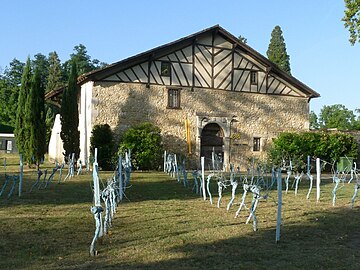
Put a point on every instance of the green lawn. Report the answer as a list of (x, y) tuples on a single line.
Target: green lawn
[(161, 225)]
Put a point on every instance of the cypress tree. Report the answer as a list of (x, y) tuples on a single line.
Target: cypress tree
[(54, 77), (54, 81), (277, 50), (21, 128), (36, 115), (69, 116)]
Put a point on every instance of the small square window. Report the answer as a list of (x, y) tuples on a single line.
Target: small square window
[(256, 144), (165, 69), (174, 98), (253, 77)]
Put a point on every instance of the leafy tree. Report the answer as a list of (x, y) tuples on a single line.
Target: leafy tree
[(102, 139), (36, 119), (82, 60), (337, 116), (69, 116), (357, 122), (277, 50), (313, 120), (21, 128), (351, 20), (9, 91), (4, 99), (324, 145), (145, 143)]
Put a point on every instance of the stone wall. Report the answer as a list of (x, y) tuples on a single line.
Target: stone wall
[(122, 105)]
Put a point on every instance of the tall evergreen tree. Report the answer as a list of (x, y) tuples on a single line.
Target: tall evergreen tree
[(4, 99), (69, 116), (36, 116), (9, 91), (54, 79), (21, 128), (277, 50), (42, 63)]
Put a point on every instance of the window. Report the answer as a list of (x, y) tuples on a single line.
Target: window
[(253, 77), (256, 144), (2, 144), (165, 69), (174, 98)]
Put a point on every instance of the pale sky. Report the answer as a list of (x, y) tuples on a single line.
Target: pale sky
[(316, 40)]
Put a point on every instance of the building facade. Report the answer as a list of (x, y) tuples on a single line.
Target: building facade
[(233, 100)]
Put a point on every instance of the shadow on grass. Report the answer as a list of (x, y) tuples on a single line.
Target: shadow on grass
[(328, 240), (55, 228), (72, 191)]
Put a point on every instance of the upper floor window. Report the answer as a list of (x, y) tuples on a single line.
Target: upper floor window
[(253, 77), (256, 144), (174, 98), (165, 69)]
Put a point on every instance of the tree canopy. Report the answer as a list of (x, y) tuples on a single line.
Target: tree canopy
[(351, 20), (69, 116), (335, 116), (277, 50), (10, 83), (54, 74), (83, 61), (36, 119), (21, 128), (30, 116)]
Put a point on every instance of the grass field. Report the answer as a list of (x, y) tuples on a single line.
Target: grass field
[(161, 225)]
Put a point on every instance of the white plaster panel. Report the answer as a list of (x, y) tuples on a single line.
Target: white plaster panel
[(112, 78), (180, 74), (206, 40), (140, 73), (188, 52), (131, 75), (188, 72), (224, 56), (221, 42), (123, 77)]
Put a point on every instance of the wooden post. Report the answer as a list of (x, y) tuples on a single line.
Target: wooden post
[(21, 174), (97, 201), (318, 175), (121, 182), (279, 189), (308, 164), (203, 176)]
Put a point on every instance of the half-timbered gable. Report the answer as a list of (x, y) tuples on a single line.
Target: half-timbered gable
[(234, 99), (211, 59)]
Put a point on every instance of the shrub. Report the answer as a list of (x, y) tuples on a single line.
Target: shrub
[(327, 146), (102, 139), (145, 143)]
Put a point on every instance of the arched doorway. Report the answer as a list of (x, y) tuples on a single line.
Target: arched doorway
[(212, 140)]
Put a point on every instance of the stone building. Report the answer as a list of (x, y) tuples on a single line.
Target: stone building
[(235, 101)]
